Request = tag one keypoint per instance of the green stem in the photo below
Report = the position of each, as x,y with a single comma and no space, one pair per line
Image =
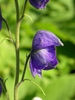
16,93
4,88
22,79
17,42
17,62
17,53
25,3
6,93
25,66
17,9
17,50
10,35
17,46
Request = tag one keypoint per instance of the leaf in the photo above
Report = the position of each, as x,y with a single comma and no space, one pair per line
62,88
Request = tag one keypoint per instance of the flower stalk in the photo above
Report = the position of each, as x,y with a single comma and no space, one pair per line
25,3
3,87
17,42
10,34
17,53
17,46
25,66
17,50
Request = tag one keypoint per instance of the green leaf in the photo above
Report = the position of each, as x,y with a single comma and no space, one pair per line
62,88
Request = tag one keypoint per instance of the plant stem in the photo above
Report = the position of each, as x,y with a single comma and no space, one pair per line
17,53
6,92
17,9
24,71
17,46
17,42
10,35
2,83
17,50
25,3
7,96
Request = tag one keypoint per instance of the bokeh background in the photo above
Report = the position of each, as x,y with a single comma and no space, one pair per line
59,18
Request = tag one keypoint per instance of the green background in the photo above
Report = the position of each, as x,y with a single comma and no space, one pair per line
59,18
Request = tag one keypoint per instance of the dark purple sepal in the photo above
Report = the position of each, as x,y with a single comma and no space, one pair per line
43,39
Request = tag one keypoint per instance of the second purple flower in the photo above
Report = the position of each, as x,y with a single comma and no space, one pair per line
39,4
43,54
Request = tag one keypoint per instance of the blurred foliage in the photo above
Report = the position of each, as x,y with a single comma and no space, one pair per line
59,18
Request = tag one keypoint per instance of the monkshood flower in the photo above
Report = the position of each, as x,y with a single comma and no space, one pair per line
43,54
39,4
0,19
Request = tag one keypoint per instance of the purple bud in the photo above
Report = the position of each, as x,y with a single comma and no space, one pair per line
43,54
39,3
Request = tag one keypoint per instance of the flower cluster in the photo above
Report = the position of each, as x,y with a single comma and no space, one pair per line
43,54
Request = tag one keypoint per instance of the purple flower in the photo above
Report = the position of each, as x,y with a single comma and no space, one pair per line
43,54
0,19
39,3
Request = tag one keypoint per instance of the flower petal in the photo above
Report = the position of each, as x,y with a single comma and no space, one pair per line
51,64
38,3
44,39
44,58
34,71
